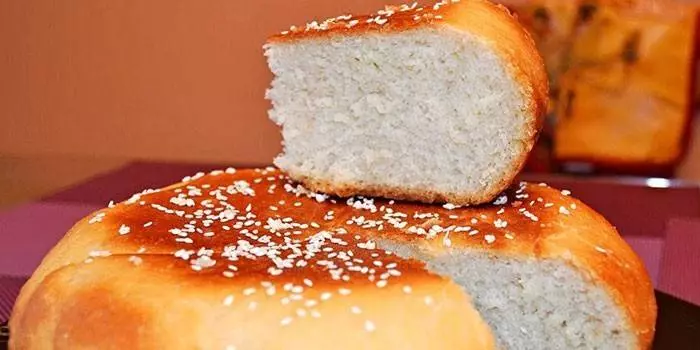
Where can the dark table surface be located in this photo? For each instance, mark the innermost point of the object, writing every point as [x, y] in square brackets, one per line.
[677, 326]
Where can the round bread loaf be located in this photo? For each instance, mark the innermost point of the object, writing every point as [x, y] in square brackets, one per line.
[249, 260]
[433, 104]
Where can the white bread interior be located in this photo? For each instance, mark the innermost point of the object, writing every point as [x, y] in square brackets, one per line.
[531, 303]
[422, 109]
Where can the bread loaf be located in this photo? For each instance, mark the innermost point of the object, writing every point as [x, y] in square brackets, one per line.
[622, 78]
[248, 259]
[435, 104]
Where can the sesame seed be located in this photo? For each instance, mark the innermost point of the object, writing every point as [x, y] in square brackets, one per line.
[100, 253]
[407, 289]
[148, 224]
[369, 326]
[355, 310]
[428, 300]
[563, 210]
[228, 300]
[135, 260]
[325, 296]
[123, 229]
[344, 291]
[286, 321]
[490, 238]
[500, 223]
[566, 192]
[382, 283]
[502, 199]
[97, 218]
[602, 250]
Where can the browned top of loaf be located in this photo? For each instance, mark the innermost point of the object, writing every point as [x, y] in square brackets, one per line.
[255, 225]
[247, 226]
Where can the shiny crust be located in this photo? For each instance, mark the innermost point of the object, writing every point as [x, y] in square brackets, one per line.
[496, 27]
[120, 284]
[131, 277]
[162, 303]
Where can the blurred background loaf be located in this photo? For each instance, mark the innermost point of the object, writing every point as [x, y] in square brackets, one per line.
[623, 77]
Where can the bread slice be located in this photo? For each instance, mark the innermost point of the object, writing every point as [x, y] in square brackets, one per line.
[225, 260]
[435, 104]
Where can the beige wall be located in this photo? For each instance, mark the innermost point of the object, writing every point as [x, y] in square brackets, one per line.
[159, 79]
[156, 79]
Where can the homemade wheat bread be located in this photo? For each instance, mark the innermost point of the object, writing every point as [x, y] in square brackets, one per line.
[248, 259]
[434, 104]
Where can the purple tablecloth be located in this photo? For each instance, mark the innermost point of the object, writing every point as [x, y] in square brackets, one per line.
[29, 231]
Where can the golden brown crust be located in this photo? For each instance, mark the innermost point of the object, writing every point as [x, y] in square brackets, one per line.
[113, 304]
[105, 252]
[419, 195]
[134, 260]
[492, 24]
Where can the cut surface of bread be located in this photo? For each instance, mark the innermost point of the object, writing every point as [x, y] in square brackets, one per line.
[437, 105]
[534, 304]
[223, 260]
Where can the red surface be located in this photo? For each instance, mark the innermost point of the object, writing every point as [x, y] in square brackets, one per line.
[681, 260]
[28, 232]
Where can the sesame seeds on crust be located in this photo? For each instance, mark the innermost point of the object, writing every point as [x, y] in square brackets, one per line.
[391, 17]
[276, 239]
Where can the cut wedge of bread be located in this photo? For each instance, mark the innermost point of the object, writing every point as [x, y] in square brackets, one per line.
[435, 104]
